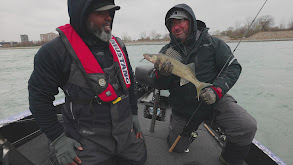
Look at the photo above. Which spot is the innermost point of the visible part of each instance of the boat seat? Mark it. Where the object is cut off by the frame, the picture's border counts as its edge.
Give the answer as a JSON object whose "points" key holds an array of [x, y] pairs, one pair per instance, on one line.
{"points": [[143, 75]]}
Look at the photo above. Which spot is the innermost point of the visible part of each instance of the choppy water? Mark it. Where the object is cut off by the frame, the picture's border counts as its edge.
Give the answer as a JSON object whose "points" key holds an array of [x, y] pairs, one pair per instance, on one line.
{"points": [[264, 89]]}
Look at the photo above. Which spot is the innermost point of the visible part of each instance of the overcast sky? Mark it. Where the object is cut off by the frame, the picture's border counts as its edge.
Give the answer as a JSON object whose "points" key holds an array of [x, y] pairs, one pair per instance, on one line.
{"points": [[35, 17]]}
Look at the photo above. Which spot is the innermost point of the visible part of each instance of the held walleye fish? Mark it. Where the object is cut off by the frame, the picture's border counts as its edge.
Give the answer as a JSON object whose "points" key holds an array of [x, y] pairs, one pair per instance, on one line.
{"points": [[184, 71]]}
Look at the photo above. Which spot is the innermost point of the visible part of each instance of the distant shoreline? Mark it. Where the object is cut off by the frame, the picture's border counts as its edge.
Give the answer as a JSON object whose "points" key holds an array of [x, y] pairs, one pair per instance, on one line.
{"points": [[258, 37], [260, 40], [135, 43], [29, 47], [227, 41]]}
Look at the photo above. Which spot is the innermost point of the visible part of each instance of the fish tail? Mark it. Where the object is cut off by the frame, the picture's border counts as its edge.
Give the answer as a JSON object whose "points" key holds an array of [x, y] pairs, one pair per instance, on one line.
{"points": [[201, 86]]}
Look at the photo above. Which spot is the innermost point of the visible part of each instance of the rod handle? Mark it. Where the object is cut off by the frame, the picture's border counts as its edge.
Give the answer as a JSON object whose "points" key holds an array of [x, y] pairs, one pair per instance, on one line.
{"points": [[174, 144], [209, 129]]}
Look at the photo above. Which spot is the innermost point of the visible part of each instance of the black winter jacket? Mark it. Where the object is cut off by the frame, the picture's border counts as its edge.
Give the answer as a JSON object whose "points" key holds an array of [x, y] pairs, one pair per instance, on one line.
{"points": [[210, 55], [52, 69]]}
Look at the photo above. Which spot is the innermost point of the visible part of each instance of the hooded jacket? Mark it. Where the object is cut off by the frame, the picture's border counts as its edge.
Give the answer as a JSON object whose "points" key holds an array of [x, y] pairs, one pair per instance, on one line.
{"points": [[52, 69], [209, 54]]}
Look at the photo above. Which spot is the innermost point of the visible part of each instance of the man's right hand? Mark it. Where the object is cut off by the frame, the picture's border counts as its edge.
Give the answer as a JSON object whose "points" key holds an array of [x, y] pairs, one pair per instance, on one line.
{"points": [[65, 150], [165, 69]]}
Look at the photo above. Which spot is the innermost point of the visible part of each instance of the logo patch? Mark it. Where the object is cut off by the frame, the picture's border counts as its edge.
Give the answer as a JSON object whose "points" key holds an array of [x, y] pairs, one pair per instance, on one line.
{"points": [[102, 82]]}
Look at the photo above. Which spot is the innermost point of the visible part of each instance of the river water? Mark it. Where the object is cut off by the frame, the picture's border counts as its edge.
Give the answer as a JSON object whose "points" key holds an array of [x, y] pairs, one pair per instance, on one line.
{"points": [[264, 89]]}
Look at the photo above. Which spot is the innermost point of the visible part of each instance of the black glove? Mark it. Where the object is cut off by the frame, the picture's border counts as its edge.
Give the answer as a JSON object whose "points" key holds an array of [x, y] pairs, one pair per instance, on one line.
{"points": [[65, 150], [208, 95], [136, 126], [165, 69]]}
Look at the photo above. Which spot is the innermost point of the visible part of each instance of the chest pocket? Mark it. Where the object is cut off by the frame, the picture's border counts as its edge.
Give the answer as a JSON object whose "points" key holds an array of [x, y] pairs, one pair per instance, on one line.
{"points": [[111, 74], [76, 76]]}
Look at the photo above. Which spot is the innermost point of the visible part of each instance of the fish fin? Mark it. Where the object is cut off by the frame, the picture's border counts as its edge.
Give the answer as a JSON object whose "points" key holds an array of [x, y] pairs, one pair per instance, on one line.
{"points": [[191, 66], [174, 54], [202, 85], [183, 81]]}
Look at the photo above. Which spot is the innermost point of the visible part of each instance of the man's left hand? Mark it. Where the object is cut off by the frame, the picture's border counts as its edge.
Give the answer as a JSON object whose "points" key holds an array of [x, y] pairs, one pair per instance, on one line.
{"points": [[136, 126], [208, 96]]}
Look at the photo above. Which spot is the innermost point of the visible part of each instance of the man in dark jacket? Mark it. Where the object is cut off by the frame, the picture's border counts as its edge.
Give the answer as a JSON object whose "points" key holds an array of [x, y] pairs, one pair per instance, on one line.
{"points": [[100, 124], [215, 64]]}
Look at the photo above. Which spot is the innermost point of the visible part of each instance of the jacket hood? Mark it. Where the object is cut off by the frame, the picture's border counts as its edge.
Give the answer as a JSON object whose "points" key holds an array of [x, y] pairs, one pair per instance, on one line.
{"points": [[188, 10], [192, 19], [78, 11]]}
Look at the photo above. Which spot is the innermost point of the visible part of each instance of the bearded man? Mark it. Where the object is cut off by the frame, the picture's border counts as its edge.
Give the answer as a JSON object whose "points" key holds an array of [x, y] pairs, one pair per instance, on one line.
{"points": [[100, 111]]}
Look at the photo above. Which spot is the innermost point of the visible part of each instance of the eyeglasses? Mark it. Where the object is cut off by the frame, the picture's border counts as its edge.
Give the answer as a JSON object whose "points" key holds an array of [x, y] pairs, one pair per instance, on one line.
{"points": [[177, 22]]}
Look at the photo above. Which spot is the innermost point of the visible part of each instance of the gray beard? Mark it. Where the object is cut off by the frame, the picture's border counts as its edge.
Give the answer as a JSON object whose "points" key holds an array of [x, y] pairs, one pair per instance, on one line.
{"points": [[100, 33]]}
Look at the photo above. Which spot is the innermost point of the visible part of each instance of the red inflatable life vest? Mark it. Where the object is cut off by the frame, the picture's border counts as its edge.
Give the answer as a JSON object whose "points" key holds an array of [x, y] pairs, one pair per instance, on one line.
{"points": [[91, 65]]}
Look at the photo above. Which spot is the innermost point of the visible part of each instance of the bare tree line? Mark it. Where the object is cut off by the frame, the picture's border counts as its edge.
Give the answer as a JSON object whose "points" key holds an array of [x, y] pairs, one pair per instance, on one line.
{"points": [[152, 36], [263, 23]]}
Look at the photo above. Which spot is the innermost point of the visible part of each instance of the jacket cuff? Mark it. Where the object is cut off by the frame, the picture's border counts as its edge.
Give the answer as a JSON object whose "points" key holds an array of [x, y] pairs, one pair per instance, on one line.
{"points": [[218, 91], [157, 75]]}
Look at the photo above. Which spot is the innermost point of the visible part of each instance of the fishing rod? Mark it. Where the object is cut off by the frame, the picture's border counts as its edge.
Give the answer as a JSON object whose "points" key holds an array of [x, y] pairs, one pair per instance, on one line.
{"points": [[243, 36], [185, 126], [211, 132], [249, 27], [232, 53]]}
